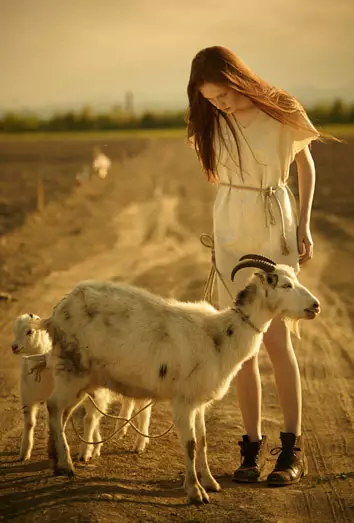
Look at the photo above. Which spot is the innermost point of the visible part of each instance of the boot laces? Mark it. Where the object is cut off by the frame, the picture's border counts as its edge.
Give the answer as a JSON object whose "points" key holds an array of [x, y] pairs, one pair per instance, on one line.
{"points": [[276, 450], [251, 454], [283, 453]]}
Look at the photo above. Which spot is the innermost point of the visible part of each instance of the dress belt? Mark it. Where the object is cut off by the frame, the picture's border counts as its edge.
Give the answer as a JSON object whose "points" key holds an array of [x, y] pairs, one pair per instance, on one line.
{"points": [[269, 195]]}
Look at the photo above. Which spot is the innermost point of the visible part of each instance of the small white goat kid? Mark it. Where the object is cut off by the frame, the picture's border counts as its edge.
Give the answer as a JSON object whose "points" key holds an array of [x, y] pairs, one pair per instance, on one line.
{"points": [[101, 163], [144, 346], [35, 346]]}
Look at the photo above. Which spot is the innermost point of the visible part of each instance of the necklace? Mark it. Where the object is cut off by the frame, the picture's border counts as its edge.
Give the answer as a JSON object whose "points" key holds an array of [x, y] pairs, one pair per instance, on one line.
{"points": [[241, 130], [250, 120]]}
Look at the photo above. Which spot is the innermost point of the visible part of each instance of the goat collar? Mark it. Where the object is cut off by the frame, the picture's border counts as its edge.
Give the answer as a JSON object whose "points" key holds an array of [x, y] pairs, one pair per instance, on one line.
{"points": [[246, 319]]}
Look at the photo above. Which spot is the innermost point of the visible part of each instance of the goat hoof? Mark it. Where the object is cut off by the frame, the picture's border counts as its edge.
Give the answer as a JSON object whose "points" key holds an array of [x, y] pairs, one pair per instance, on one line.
{"points": [[140, 445], [138, 450], [84, 459], [196, 501], [205, 497], [212, 486], [64, 472], [199, 498]]}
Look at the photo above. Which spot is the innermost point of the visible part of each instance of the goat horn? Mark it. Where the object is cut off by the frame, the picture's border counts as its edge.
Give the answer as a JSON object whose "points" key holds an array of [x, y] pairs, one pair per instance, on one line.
{"points": [[260, 264], [256, 257]]}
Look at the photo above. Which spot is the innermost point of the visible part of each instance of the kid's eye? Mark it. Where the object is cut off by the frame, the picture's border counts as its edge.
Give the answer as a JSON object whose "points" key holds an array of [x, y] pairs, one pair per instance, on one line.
{"points": [[287, 286], [29, 332]]}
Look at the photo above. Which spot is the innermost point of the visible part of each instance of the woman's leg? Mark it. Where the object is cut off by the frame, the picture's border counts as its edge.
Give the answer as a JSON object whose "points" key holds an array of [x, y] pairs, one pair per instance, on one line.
{"points": [[291, 464], [277, 341], [249, 393], [253, 445]]}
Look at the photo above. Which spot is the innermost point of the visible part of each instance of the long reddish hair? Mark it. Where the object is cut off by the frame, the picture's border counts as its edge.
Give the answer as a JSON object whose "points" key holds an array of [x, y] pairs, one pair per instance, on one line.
{"points": [[220, 65]]}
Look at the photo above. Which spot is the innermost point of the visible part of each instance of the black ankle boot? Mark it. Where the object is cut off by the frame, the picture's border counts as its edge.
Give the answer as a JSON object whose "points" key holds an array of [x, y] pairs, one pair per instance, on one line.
{"points": [[291, 464], [253, 459]]}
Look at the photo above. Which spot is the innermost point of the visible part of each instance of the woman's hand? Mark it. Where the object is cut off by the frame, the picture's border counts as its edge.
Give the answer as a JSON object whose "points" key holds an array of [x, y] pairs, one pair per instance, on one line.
{"points": [[304, 242], [306, 177]]}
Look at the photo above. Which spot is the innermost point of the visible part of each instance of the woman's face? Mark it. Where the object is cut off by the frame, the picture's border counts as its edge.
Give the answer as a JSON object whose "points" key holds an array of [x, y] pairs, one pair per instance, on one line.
{"points": [[223, 97]]}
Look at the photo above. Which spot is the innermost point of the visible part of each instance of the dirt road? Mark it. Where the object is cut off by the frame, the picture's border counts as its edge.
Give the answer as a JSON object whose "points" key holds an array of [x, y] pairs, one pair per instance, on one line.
{"points": [[142, 225]]}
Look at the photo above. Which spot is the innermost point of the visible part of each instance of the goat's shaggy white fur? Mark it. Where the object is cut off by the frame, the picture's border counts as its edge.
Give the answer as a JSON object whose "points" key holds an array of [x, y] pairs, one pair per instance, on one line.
{"points": [[142, 345], [34, 345]]}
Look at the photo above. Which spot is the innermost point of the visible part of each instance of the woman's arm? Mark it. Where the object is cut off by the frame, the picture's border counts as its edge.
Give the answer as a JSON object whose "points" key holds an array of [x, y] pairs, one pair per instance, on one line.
{"points": [[306, 181]]}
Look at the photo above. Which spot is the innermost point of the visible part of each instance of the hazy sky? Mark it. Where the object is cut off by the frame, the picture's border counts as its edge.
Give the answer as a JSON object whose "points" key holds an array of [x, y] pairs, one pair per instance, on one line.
{"points": [[69, 52]]}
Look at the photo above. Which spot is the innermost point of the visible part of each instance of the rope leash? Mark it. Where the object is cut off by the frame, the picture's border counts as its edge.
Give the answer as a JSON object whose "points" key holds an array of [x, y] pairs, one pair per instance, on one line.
{"points": [[119, 418], [41, 366], [208, 241]]}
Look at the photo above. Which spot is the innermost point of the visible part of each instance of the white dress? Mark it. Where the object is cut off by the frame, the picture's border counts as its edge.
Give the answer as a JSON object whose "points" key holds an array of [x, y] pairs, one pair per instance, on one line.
{"points": [[250, 221]]}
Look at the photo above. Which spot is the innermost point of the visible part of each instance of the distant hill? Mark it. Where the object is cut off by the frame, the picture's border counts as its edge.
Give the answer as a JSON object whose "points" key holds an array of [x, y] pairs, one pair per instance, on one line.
{"points": [[309, 95]]}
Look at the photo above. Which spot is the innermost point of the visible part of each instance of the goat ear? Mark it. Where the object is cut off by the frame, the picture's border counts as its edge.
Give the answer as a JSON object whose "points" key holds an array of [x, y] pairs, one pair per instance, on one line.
{"points": [[272, 279], [261, 276]]}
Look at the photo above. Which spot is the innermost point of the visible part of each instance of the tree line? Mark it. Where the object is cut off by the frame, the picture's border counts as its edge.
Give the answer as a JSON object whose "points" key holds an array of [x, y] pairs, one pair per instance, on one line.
{"points": [[86, 119]]}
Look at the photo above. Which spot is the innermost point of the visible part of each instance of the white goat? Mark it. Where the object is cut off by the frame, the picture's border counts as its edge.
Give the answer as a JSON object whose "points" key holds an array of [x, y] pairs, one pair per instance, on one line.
{"points": [[144, 346], [35, 346], [101, 164]]}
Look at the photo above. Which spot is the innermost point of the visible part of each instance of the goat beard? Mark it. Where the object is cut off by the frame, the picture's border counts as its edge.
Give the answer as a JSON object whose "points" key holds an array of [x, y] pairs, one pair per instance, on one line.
{"points": [[293, 326]]}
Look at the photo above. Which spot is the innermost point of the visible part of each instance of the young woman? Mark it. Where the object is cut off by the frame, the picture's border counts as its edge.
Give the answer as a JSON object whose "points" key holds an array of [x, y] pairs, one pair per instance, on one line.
{"points": [[246, 134]]}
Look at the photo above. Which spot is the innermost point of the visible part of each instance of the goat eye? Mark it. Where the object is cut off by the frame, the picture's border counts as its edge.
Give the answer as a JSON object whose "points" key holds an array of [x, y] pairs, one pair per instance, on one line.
{"points": [[269, 280], [287, 286], [29, 332]]}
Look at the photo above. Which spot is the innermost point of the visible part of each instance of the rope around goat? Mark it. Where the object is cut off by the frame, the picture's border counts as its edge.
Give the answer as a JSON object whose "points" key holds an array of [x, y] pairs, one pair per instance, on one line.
{"points": [[156, 436]]}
